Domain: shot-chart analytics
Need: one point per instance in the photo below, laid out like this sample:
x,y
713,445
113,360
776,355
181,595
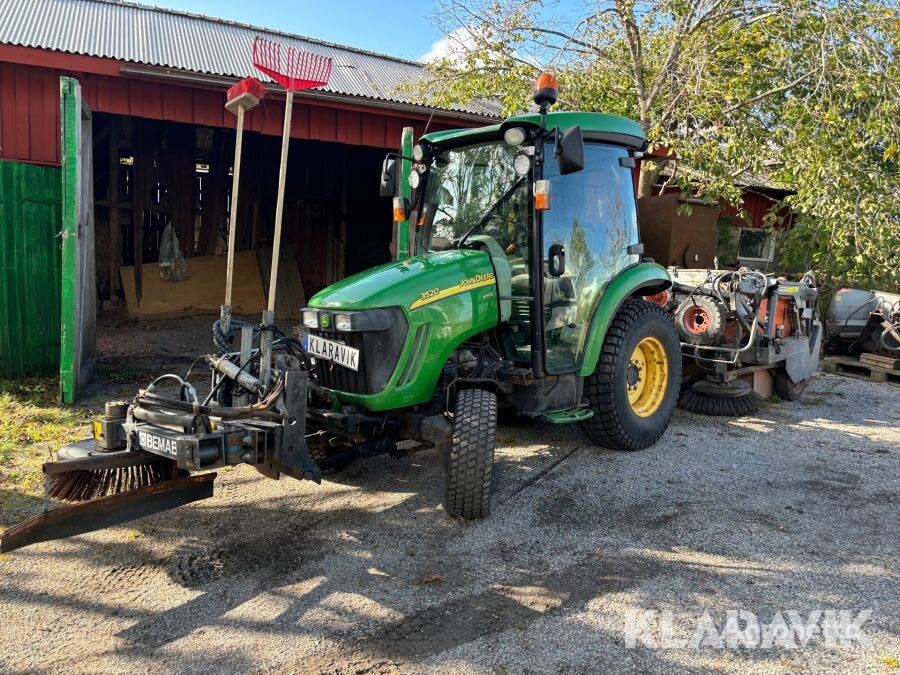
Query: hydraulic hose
x,y
695,290
222,413
259,410
222,340
186,421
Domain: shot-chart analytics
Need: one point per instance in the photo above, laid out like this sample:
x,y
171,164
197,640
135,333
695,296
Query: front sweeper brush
x,y
88,469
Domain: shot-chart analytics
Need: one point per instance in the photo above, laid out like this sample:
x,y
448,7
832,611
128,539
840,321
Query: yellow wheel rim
x,y
646,377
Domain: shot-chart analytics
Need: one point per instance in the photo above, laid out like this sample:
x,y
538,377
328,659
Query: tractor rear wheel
x,y
634,388
471,454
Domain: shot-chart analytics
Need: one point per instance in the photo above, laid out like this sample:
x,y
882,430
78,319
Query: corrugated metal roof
x,y
192,42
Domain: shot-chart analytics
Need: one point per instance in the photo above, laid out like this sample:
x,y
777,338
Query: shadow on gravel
x,y
16,506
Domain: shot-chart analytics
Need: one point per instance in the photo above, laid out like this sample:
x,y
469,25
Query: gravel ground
x,y
795,508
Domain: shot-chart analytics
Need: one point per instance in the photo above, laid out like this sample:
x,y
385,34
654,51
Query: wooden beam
x,y
182,191
114,255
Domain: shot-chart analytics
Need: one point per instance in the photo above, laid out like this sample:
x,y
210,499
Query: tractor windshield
x,y
474,186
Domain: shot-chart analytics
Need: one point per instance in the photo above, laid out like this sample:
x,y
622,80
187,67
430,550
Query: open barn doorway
x,y
150,175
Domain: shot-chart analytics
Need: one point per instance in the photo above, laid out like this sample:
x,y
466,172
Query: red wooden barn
x,y
152,85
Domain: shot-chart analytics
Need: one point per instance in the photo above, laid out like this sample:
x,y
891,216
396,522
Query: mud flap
x,y
67,521
803,357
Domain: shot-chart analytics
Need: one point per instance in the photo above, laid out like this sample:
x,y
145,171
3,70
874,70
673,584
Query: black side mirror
x,y
569,151
388,187
556,260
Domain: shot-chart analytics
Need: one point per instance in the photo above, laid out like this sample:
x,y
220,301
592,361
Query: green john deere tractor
x,y
525,289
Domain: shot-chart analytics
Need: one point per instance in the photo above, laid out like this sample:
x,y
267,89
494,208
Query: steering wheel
x,y
518,244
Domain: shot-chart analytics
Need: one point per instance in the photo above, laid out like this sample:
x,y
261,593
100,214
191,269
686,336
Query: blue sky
x,y
398,28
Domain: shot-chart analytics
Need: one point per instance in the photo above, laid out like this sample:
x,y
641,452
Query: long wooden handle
x,y
232,219
279,205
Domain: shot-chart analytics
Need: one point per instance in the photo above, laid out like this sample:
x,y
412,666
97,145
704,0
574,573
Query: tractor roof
x,y
594,126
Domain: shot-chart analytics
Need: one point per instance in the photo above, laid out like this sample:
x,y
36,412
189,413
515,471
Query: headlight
x,y
418,152
343,322
310,318
414,177
522,164
514,136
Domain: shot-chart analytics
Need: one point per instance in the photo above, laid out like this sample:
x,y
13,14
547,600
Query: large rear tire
x,y
634,388
471,460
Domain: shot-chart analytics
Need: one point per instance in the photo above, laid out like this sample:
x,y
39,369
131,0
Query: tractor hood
x,y
412,283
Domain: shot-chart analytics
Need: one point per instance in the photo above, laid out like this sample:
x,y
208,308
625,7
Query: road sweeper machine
x,y
525,289
744,335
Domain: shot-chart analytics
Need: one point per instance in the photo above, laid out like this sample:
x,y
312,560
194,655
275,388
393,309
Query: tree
x,y
804,92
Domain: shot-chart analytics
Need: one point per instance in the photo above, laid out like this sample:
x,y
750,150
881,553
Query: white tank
x,y
849,310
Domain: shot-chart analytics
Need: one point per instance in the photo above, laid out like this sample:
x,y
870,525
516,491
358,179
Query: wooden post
x,y
246,353
70,148
183,190
140,191
341,259
115,244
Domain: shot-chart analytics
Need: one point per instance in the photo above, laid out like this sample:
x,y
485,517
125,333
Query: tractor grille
x,y
379,352
333,376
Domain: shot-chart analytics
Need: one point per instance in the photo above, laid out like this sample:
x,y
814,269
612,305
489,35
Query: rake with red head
x,y
291,68
294,70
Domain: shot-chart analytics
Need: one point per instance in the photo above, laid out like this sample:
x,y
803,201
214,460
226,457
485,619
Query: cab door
x,y
593,218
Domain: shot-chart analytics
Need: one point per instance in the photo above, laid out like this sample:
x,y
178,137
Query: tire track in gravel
x,y
538,475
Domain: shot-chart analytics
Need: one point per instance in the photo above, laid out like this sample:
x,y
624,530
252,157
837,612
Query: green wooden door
x,y
29,269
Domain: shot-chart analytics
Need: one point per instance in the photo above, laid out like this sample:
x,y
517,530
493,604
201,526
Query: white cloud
x,y
453,46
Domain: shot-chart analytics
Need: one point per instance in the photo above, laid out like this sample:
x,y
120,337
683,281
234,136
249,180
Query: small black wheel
x,y
635,386
700,320
471,454
786,389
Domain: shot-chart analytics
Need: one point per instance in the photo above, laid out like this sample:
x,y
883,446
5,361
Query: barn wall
x,y
29,114
29,110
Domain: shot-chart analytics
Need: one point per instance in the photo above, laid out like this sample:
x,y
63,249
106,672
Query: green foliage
x,y
803,93
31,425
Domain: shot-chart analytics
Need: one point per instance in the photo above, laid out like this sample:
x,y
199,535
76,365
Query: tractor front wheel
x,y
471,457
634,388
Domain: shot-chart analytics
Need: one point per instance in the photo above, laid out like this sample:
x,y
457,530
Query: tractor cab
x,y
550,198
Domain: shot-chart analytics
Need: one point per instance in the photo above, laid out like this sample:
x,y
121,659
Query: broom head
x,y
245,94
728,399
